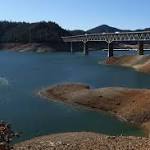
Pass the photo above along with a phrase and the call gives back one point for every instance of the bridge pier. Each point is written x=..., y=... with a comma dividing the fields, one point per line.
x=141, y=48
x=71, y=47
x=85, y=48
x=110, y=50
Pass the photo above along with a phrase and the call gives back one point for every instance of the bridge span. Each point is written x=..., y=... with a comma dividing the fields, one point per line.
x=110, y=38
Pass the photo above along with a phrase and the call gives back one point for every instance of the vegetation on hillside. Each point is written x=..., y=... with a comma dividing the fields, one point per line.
x=31, y=32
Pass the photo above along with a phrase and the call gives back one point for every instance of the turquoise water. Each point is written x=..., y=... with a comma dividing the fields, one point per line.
x=23, y=74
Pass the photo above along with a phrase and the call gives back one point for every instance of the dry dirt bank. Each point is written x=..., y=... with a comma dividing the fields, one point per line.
x=84, y=141
x=139, y=63
x=132, y=105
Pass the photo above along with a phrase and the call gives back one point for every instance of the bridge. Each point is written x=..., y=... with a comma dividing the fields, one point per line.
x=110, y=38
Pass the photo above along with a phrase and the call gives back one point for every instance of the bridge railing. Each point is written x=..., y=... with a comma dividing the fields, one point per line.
x=110, y=37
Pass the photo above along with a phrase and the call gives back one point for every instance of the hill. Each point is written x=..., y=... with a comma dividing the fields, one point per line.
x=109, y=29
x=104, y=28
x=77, y=32
x=40, y=32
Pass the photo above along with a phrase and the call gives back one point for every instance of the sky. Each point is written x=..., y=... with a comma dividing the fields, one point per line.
x=79, y=14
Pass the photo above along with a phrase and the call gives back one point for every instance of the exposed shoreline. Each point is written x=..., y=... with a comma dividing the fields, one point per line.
x=84, y=141
x=32, y=47
x=139, y=63
x=42, y=93
x=131, y=105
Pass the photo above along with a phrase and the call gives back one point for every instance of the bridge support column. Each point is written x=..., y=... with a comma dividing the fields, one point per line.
x=110, y=49
x=71, y=47
x=141, y=48
x=85, y=48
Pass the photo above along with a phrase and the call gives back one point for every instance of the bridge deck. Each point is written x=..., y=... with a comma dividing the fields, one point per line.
x=110, y=37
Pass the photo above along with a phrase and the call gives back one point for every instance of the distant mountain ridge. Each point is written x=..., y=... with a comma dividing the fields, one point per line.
x=105, y=29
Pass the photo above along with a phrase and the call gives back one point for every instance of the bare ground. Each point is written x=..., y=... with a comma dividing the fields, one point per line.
x=139, y=63
x=27, y=47
x=84, y=141
x=133, y=105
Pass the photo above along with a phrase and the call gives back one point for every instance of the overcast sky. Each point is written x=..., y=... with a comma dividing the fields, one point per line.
x=79, y=14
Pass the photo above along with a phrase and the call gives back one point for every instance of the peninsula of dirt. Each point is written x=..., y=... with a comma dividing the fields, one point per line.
x=139, y=63
x=131, y=105
x=84, y=141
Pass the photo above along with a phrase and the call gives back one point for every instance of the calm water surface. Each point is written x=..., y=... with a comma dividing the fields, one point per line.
x=23, y=74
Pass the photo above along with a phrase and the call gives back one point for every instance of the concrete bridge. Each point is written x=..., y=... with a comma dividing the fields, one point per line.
x=110, y=38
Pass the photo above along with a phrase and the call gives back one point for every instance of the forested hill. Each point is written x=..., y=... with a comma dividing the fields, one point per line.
x=39, y=36
x=31, y=32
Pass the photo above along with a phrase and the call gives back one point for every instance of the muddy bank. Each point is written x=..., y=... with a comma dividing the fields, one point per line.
x=34, y=47
x=84, y=141
x=132, y=105
x=139, y=63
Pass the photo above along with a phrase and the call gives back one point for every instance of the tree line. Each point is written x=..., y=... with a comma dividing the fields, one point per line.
x=31, y=32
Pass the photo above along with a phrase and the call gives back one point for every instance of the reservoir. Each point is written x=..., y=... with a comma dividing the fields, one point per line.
x=22, y=75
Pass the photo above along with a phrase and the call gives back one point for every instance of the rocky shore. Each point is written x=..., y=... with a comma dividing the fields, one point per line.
x=84, y=141
x=139, y=63
x=131, y=105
